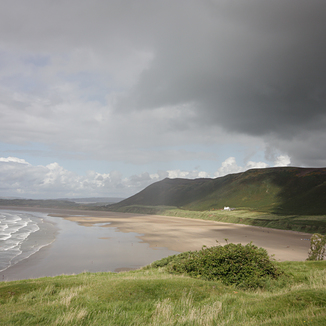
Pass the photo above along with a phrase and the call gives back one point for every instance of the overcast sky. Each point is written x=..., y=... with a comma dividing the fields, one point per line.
x=102, y=97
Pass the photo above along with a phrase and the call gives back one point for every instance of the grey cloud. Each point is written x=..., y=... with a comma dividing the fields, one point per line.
x=254, y=67
x=168, y=72
x=307, y=149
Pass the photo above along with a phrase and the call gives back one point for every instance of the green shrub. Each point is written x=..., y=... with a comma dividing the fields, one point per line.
x=245, y=266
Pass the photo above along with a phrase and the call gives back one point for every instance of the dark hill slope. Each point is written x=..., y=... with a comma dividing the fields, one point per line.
x=174, y=192
x=284, y=190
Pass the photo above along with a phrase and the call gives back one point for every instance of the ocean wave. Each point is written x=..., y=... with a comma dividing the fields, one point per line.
x=21, y=235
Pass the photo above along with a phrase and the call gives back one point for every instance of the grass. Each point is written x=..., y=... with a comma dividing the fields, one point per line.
x=301, y=223
x=152, y=296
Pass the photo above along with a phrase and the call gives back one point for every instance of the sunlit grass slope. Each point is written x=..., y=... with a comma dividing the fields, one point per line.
x=154, y=297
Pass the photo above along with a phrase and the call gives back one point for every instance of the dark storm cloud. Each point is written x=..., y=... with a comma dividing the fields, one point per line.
x=255, y=67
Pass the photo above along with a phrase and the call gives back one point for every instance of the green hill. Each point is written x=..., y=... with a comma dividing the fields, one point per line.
x=280, y=190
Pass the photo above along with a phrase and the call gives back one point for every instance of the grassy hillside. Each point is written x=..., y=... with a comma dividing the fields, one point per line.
x=154, y=297
x=284, y=190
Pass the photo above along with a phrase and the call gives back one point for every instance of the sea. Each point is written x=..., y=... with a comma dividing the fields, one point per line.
x=70, y=247
x=22, y=234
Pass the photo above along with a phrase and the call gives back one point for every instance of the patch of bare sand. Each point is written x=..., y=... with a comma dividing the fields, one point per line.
x=183, y=234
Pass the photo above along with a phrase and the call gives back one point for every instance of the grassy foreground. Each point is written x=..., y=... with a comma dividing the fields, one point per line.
x=301, y=223
x=151, y=296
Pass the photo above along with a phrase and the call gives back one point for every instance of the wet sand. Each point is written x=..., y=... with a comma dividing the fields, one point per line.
x=85, y=235
x=183, y=234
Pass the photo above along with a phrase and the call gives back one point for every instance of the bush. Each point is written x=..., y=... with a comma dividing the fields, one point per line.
x=244, y=266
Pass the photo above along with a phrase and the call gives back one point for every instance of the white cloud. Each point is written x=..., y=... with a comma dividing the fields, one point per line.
x=187, y=174
x=282, y=160
x=13, y=159
x=256, y=165
x=19, y=178
x=230, y=166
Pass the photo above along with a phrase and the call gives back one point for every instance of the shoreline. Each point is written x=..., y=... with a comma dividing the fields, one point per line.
x=79, y=249
x=169, y=235
x=184, y=234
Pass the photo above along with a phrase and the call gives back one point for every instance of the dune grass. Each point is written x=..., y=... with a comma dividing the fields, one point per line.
x=152, y=296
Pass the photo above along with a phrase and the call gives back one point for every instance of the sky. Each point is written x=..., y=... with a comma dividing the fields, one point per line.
x=100, y=98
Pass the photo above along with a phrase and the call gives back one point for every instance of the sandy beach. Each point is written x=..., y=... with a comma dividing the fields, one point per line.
x=183, y=234
x=84, y=236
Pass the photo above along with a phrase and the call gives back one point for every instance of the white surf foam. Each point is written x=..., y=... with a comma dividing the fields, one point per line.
x=16, y=231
